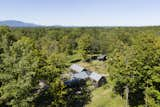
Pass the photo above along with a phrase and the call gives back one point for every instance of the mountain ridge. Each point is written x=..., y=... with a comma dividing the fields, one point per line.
x=15, y=23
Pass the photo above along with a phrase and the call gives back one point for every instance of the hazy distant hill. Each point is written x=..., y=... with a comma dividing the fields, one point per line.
x=14, y=23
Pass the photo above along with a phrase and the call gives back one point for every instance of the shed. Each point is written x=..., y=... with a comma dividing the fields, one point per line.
x=97, y=79
x=102, y=58
x=74, y=82
x=77, y=68
x=81, y=75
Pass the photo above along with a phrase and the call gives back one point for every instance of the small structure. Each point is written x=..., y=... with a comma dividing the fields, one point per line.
x=77, y=68
x=81, y=75
x=102, y=58
x=94, y=57
x=98, y=80
x=74, y=82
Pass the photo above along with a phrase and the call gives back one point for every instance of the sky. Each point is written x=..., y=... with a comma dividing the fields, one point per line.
x=82, y=12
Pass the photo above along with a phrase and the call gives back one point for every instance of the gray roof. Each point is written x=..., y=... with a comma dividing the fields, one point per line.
x=95, y=76
x=101, y=56
x=81, y=75
x=76, y=68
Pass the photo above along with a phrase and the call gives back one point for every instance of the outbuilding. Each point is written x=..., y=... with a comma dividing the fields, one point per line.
x=102, y=58
x=97, y=79
x=74, y=83
x=81, y=75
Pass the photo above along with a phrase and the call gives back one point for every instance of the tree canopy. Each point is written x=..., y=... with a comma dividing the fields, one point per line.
x=31, y=55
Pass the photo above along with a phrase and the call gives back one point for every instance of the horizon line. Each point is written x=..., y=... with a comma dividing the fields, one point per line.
x=64, y=25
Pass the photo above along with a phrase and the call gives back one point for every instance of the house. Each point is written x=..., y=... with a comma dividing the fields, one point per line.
x=81, y=75
x=102, y=58
x=97, y=79
x=74, y=83
x=77, y=68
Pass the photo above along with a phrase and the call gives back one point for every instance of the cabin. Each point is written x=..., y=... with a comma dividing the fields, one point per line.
x=81, y=75
x=102, y=58
x=97, y=79
x=77, y=68
x=74, y=83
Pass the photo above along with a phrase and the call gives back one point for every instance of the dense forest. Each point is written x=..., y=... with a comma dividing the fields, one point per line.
x=30, y=55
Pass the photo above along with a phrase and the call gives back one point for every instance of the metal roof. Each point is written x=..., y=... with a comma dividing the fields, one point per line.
x=101, y=56
x=81, y=75
x=95, y=76
x=72, y=82
x=76, y=68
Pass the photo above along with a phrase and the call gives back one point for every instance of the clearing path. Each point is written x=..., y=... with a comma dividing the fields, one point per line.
x=104, y=97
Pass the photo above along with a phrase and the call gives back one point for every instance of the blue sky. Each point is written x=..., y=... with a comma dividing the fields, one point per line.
x=83, y=12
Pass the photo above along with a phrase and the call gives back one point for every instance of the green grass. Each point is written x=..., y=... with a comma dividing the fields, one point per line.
x=74, y=57
x=97, y=66
x=104, y=97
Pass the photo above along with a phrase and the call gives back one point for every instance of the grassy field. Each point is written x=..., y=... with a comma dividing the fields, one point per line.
x=104, y=97
x=96, y=66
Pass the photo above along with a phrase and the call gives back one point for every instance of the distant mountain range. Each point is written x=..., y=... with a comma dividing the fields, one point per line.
x=15, y=23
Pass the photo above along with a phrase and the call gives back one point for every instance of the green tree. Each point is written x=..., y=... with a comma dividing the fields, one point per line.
x=137, y=67
x=87, y=45
x=23, y=67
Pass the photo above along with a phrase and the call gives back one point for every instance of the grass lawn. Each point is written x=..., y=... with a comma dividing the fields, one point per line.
x=96, y=66
x=104, y=97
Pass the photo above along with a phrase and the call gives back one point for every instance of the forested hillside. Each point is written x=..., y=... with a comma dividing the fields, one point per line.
x=31, y=55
